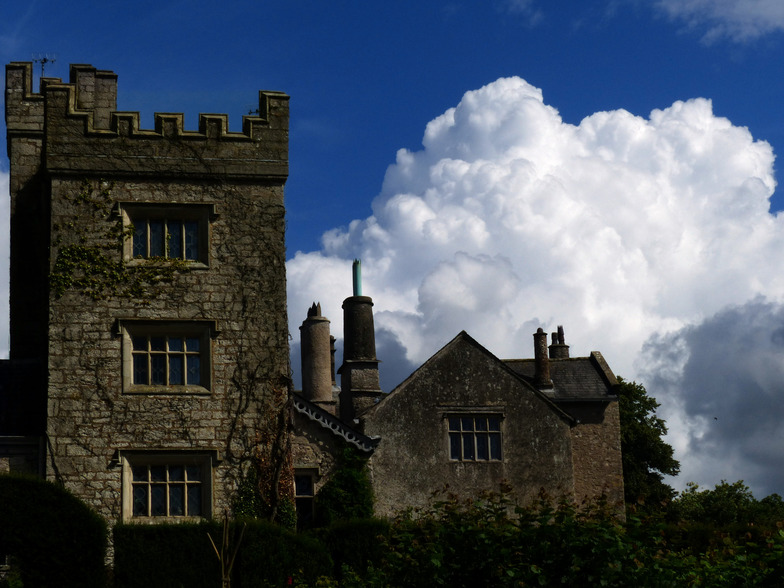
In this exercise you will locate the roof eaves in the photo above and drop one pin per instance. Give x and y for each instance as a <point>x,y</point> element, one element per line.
<point>333,424</point>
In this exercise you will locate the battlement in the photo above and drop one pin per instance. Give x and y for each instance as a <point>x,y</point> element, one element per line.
<point>82,126</point>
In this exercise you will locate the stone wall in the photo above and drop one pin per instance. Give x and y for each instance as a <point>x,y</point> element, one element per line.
<point>596,447</point>
<point>413,458</point>
<point>97,166</point>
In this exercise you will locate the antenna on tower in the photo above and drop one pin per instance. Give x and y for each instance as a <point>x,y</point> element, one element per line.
<point>43,59</point>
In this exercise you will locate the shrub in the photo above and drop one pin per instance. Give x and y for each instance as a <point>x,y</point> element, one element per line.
<point>53,537</point>
<point>269,555</point>
<point>356,545</point>
<point>173,555</point>
<point>166,555</point>
<point>348,494</point>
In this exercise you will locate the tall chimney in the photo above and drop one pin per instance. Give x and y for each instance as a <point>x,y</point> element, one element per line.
<point>360,387</point>
<point>559,349</point>
<point>316,359</point>
<point>541,361</point>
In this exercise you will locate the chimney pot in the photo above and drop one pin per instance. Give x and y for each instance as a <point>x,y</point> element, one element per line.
<point>317,370</point>
<point>559,349</point>
<point>541,360</point>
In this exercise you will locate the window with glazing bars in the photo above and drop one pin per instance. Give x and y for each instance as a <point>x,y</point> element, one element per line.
<point>304,493</point>
<point>167,490</point>
<point>160,360</point>
<point>475,437</point>
<point>167,238</point>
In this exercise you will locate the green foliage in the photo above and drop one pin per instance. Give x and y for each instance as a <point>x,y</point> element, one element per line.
<point>485,542</point>
<point>53,537</point>
<point>727,504</point>
<point>646,456</point>
<point>173,555</point>
<point>493,543</point>
<point>165,555</point>
<point>348,494</point>
<point>490,542</point>
<point>270,555</point>
<point>357,546</point>
<point>248,502</point>
<point>286,515</point>
<point>91,262</point>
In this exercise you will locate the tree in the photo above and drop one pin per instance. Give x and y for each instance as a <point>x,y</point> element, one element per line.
<point>727,504</point>
<point>647,458</point>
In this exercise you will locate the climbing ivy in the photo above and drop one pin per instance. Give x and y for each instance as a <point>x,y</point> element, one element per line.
<point>348,494</point>
<point>91,263</point>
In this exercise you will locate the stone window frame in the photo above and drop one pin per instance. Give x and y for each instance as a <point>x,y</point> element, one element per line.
<point>206,331</point>
<point>305,496</point>
<point>204,214</point>
<point>206,460</point>
<point>474,434</point>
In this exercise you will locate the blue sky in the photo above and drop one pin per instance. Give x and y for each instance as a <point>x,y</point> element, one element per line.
<point>608,166</point>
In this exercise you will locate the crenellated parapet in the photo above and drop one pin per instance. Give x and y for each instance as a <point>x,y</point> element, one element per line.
<point>84,131</point>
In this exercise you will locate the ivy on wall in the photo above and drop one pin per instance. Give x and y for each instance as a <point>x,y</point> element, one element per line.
<point>348,494</point>
<point>90,262</point>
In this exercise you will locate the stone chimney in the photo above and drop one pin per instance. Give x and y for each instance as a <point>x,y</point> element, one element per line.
<point>541,361</point>
<point>360,387</point>
<point>558,348</point>
<point>316,356</point>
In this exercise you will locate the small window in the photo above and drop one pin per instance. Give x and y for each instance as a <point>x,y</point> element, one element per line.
<point>474,437</point>
<point>304,494</point>
<point>168,232</point>
<point>166,357</point>
<point>170,486</point>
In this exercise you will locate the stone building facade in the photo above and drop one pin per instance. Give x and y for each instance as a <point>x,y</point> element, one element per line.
<point>464,422</point>
<point>148,298</point>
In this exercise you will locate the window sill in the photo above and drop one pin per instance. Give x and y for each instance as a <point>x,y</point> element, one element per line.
<point>151,262</point>
<point>168,390</point>
<point>163,519</point>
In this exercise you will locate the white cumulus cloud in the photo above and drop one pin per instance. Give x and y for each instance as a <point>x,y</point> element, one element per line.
<point>622,228</point>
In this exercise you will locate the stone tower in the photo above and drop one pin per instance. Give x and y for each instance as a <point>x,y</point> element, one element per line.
<point>148,289</point>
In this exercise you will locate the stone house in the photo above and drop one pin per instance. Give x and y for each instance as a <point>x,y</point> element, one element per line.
<point>465,420</point>
<point>149,343</point>
<point>149,366</point>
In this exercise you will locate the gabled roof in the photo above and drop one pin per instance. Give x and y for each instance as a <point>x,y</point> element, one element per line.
<point>574,379</point>
<point>463,338</point>
<point>333,424</point>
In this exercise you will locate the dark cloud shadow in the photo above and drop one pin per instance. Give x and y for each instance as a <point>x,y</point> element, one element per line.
<point>728,374</point>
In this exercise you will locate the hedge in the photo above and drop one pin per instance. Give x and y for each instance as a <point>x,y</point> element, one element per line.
<point>54,539</point>
<point>174,555</point>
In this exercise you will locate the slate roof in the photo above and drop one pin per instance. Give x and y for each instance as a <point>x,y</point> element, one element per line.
<point>581,379</point>
<point>333,424</point>
<point>464,338</point>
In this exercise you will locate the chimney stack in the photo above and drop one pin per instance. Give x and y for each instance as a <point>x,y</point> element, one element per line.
<point>541,360</point>
<point>360,387</point>
<point>559,349</point>
<point>317,367</point>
